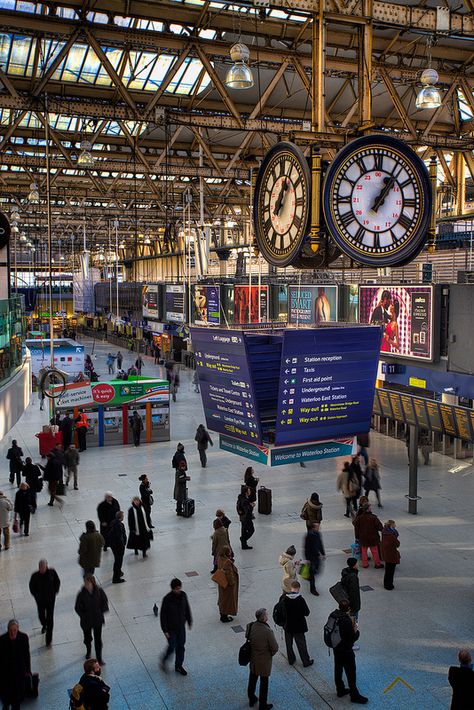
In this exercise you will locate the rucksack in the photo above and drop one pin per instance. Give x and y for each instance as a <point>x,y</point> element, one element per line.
<point>279,611</point>
<point>332,634</point>
<point>77,701</point>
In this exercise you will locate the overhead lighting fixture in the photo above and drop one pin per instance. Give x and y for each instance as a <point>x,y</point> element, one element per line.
<point>86,159</point>
<point>239,75</point>
<point>33,195</point>
<point>429,96</point>
<point>15,215</point>
<point>23,237</point>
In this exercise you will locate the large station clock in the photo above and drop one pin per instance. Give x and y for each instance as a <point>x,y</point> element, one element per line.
<point>282,204</point>
<point>377,201</point>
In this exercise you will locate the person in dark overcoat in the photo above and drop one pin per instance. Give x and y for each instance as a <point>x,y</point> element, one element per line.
<point>263,646</point>
<point>146,496</point>
<point>106,512</point>
<point>44,586</point>
<point>251,482</point>
<point>179,456</point>
<point>23,507</point>
<point>117,539</point>
<point>91,543</point>
<point>14,456</point>
<point>350,582</point>
<point>367,528</point>
<point>66,426</point>
<point>15,665</point>
<point>220,539</point>
<point>229,596</point>
<point>180,482</point>
<point>53,473</point>
<point>91,605</point>
<point>202,439</point>
<point>32,473</point>
<point>139,535</point>
<point>390,553</point>
<point>296,625</point>
<point>372,480</point>
<point>314,552</point>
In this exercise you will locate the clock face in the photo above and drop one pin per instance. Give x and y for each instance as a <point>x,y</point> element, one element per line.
<point>377,201</point>
<point>282,203</point>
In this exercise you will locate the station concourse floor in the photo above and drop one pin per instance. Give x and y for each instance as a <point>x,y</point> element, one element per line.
<point>412,633</point>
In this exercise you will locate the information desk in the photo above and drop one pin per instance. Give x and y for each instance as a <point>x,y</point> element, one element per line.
<point>109,407</point>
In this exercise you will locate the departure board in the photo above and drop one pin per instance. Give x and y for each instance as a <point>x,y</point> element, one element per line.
<point>463,423</point>
<point>420,411</point>
<point>408,409</point>
<point>226,386</point>
<point>385,404</point>
<point>327,383</point>
<point>434,415</point>
<point>396,403</point>
<point>447,417</point>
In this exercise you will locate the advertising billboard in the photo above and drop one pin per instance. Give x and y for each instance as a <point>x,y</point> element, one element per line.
<point>68,355</point>
<point>311,305</point>
<point>207,305</point>
<point>246,300</point>
<point>150,301</point>
<point>406,315</point>
<point>175,306</point>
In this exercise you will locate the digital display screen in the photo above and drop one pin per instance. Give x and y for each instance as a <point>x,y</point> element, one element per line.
<point>463,423</point>
<point>150,301</point>
<point>408,409</point>
<point>327,383</point>
<point>377,410</point>
<point>447,417</point>
<point>434,416</point>
<point>175,303</point>
<point>396,403</point>
<point>420,411</point>
<point>385,404</point>
<point>312,305</point>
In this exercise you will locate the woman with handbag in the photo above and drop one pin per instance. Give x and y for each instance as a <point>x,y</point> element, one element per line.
<point>220,539</point>
<point>228,584</point>
<point>32,474</point>
<point>140,534</point>
<point>146,496</point>
<point>91,605</point>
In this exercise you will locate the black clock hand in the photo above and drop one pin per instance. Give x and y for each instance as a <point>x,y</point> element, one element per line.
<point>281,196</point>
<point>380,199</point>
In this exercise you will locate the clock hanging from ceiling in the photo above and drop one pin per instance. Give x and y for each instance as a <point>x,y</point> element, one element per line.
<point>376,200</point>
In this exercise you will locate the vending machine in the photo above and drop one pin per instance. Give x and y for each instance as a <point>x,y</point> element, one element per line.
<point>160,421</point>
<point>113,425</point>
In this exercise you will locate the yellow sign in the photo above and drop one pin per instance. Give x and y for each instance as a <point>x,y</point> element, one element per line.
<point>416,382</point>
<point>398,680</point>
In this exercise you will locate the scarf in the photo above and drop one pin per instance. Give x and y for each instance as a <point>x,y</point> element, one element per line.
<point>137,529</point>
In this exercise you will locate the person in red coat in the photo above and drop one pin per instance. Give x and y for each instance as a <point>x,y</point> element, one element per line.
<point>390,553</point>
<point>367,527</point>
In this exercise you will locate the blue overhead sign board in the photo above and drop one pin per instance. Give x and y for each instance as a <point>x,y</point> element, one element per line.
<point>226,385</point>
<point>327,383</point>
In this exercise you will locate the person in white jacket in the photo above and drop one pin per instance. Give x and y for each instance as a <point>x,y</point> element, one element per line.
<point>6,506</point>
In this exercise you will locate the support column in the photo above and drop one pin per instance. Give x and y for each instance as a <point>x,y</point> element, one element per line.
<point>460,183</point>
<point>365,67</point>
<point>413,471</point>
<point>318,69</point>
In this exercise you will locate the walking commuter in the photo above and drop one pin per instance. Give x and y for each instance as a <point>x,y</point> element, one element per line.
<point>6,506</point>
<point>174,615</point>
<point>314,552</point>
<point>53,474</point>
<point>180,482</point>
<point>203,440</point>
<point>390,553</point>
<point>372,480</point>
<point>263,646</point>
<point>136,424</point>
<point>228,600</point>
<point>461,679</point>
<point>312,511</point>
<point>23,506</point>
<point>350,582</point>
<point>91,605</point>
<point>32,474</point>
<point>71,458</point>
<point>251,481</point>
<point>91,543</point>
<point>44,586</point>
<point>15,665</point>
<point>117,539</point>
<point>356,472</point>
<point>95,693</point>
<point>82,426</point>
<point>196,381</point>
<point>14,456</point>
<point>139,535</point>
<point>119,357</point>
<point>245,512</point>
<point>66,426</point>
<point>344,657</point>
<point>106,511</point>
<point>367,528</point>
<point>348,485</point>
<point>146,496</point>
<point>363,442</point>
<point>296,625</point>
<point>174,382</point>
<point>110,363</point>
<point>290,568</point>
<point>220,539</point>
<point>139,364</point>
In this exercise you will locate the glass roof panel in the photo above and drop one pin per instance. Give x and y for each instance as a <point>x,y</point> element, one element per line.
<point>189,78</point>
<point>70,68</point>
<point>20,52</point>
<point>159,71</point>
<point>139,67</point>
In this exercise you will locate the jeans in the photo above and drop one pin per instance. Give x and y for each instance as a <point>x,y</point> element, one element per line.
<point>313,570</point>
<point>97,640</point>
<point>118,553</point>
<point>388,576</point>
<point>176,643</point>
<point>344,660</point>
<point>46,617</point>
<point>203,457</point>
<point>375,554</point>
<point>263,694</point>
<point>300,640</point>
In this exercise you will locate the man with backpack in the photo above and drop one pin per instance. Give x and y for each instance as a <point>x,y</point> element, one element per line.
<point>91,691</point>
<point>340,634</point>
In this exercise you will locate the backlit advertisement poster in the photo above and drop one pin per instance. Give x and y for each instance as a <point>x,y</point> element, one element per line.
<point>207,305</point>
<point>175,303</point>
<point>246,300</point>
<point>312,305</point>
<point>406,315</point>
<point>150,301</point>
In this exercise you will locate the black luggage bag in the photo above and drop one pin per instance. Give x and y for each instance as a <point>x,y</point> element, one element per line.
<point>264,500</point>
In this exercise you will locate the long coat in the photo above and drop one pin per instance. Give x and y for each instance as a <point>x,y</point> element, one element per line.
<point>179,492</point>
<point>390,545</point>
<point>90,549</point>
<point>228,597</point>
<point>290,568</point>
<point>138,539</point>
<point>367,527</point>
<point>220,539</point>
<point>263,646</point>
<point>15,665</point>
<point>90,607</point>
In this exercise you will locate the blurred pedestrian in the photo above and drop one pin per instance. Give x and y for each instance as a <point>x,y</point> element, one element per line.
<point>71,459</point>
<point>139,364</point>
<point>91,605</point>
<point>263,646</point>
<point>290,567</point>
<point>66,426</point>
<point>203,439</point>
<point>314,553</point>
<point>44,586</point>
<point>6,506</point>
<point>372,480</point>
<point>119,357</point>
<point>32,474</point>
<point>367,528</point>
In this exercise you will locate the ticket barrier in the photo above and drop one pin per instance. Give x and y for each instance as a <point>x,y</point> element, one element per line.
<point>94,418</point>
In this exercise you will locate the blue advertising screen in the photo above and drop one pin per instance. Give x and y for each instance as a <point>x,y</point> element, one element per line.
<point>327,383</point>
<point>207,305</point>
<point>227,391</point>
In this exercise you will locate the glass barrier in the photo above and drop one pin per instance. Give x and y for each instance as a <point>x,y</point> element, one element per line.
<point>12,336</point>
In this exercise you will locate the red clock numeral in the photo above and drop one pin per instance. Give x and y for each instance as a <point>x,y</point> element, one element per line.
<point>395,215</point>
<point>366,221</point>
<point>377,227</point>
<point>377,174</point>
<point>359,187</point>
<point>398,202</point>
<point>355,199</point>
<point>388,224</point>
<point>358,212</point>
<point>367,177</point>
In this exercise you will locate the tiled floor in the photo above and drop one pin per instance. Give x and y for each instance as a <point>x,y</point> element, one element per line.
<point>413,632</point>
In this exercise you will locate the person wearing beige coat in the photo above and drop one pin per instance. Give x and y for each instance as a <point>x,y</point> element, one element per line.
<point>263,646</point>
<point>220,539</point>
<point>290,568</point>
<point>229,596</point>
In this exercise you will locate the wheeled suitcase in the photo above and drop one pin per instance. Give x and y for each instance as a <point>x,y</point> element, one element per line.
<point>264,500</point>
<point>188,506</point>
